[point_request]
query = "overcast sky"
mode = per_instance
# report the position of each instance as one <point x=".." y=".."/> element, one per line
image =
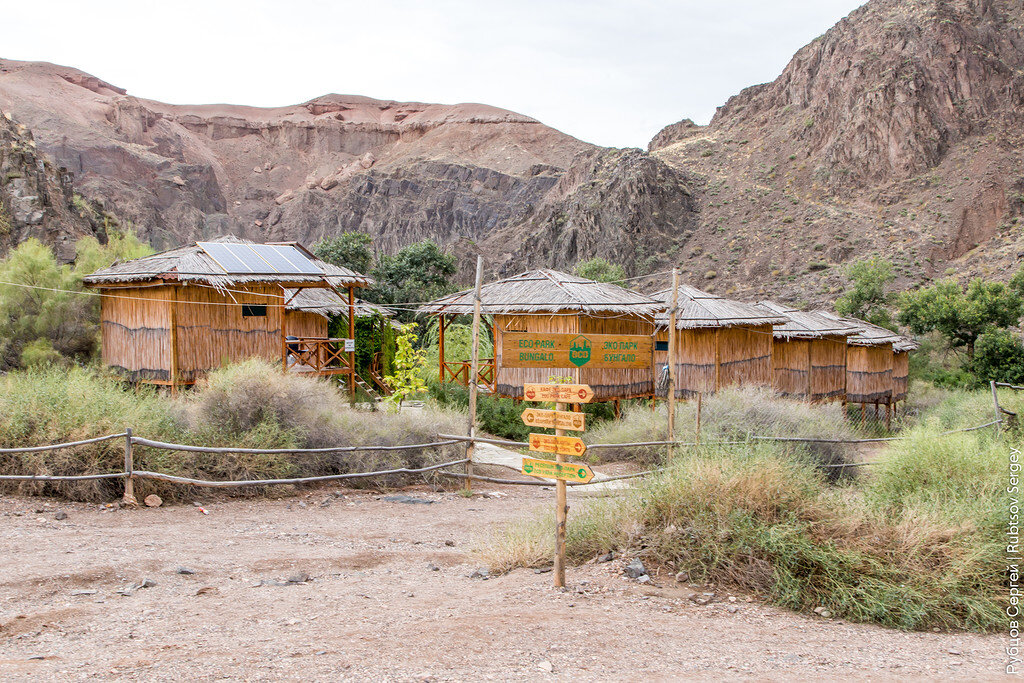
<point x="611" y="73"/>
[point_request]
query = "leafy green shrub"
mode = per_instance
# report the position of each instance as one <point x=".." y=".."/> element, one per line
<point x="999" y="356"/>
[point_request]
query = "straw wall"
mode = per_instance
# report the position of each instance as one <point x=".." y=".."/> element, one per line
<point x="869" y="374"/>
<point x="791" y="367"/>
<point x="828" y="368"/>
<point x="745" y="356"/>
<point x="712" y="358"/>
<point x="607" y="384"/>
<point x="900" y="375"/>
<point x="305" y="324"/>
<point x="135" y="332"/>
<point x="211" y="335"/>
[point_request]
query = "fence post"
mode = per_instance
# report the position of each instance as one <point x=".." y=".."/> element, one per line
<point x="995" y="402"/>
<point x="672" y="311"/>
<point x="474" y="370"/>
<point x="129" y="468"/>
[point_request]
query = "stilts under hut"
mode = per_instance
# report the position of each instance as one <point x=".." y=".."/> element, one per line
<point x="172" y="317"/>
<point x="548" y="301"/>
<point x="719" y="342"/>
<point x="808" y="354"/>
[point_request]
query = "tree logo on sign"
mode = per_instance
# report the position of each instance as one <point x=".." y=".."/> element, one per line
<point x="579" y="351"/>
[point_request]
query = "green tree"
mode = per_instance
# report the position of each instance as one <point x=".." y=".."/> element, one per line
<point x="409" y="363"/>
<point x="961" y="317"/>
<point x="419" y="272"/>
<point x="91" y="256"/>
<point x="867" y="298"/>
<point x="999" y="356"/>
<point x="1017" y="282"/>
<point x="38" y="301"/>
<point x="600" y="270"/>
<point x="349" y="250"/>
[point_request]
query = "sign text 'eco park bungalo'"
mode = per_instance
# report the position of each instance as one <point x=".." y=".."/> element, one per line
<point x="537" y="350"/>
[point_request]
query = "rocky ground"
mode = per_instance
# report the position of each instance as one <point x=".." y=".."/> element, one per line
<point x="340" y="584"/>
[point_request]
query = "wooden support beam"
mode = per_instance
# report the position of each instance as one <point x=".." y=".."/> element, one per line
<point x="474" y="368"/>
<point x="352" y="336"/>
<point x="672" y="313"/>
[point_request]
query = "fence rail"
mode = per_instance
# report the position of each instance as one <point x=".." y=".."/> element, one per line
<point x="129" y="473"/>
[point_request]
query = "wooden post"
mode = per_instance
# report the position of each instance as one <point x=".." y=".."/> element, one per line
<point x="352" y="336"/>
<point x="673" y="310"/>
<point x="474" y="369"/>
<point x="995" y="402"/>
<point x="888" y="416"/>
<point x="440" y="350"/>
<point x="618" y="409"/>
<point x="174" y="340"/>
<point x="863" y="412"/>
<point x="561" y="513"/>
<point x="129" y="467"/>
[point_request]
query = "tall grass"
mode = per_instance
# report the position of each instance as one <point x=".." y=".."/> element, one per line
<point x="913" y="544"/>
<point x="249" y="405"/>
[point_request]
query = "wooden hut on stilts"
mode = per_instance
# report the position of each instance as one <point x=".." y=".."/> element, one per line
<point x="870" y="360"/>
<point x="172" y="317"/>
<point x="548" y="301"/>
<point x="719" y="343"/>
<point x="808" y="354"/>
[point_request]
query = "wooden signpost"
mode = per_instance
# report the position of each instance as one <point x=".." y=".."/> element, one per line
<point x="545" y="350"/>
<point x="561" y="445"/>
<point x="554" y="419"/>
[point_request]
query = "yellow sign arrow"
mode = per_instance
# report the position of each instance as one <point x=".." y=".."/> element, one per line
<point x="559" y="393"/>
<point x="555" y="419"/>
<point x="563" y="445"/>
<point x="548" y="469"/>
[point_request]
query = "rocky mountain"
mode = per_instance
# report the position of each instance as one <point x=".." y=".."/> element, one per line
<point x="897" y="133"/>
<point x="38" y="200"/>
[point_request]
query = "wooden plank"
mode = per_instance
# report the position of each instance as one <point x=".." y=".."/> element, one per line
<point x="557" y="443"/>
<point x="562" y="393"/>
<point x="549" y="469"/>
<point x="544" y="350"/>
<point x="554" y="419"/>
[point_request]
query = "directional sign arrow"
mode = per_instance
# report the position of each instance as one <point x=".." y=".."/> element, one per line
<point x="549" y="469"/>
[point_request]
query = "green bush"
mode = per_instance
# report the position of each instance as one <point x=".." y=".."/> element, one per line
<point x="998" y="356"/>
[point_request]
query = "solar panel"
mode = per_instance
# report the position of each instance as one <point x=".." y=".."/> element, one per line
<point x="220" y="253"/>
<point x="262" y="259"/>
<point x="285" y="259"/>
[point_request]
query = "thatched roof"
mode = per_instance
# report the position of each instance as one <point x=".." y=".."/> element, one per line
<point x="805" y="324"/>
<point x="327" y="303"/>
<point x="867" y="334"/>
<point x="192" y="264"/>
<point x="699" y="309"/>
<point x="546" y="291"/>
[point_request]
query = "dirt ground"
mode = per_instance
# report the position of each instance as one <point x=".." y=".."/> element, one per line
<point x="389" y="597"/>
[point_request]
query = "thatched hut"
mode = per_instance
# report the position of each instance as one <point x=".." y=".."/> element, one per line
<point x="172" y="317"/>
<point x="869" y="361"/>
<point x="901" y="366"/>
<point x="719" y="342"/>
<point x="808" y="354"/>
<point x="548" y="301"/>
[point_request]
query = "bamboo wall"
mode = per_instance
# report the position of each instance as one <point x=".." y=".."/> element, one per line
<point x="708" y="359"/>
<point x="869" y="374"/>
<point x="135" y="332"/>
<point x="304" y="324"/>
<point x="900" y="375"/>
<point x="607" y="384"/>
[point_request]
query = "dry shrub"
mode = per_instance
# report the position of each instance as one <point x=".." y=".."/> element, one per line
<point x="249" y="405"/>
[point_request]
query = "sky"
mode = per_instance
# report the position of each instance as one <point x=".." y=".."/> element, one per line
<point x="609" y="73"/>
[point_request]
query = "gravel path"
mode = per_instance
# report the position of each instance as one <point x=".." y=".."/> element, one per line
<point x="349" y="585"/>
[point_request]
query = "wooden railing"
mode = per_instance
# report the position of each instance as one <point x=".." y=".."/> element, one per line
<point x="315" y="355"/>
<point x="377" y="373"/>
<point x="459" y="371"/>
